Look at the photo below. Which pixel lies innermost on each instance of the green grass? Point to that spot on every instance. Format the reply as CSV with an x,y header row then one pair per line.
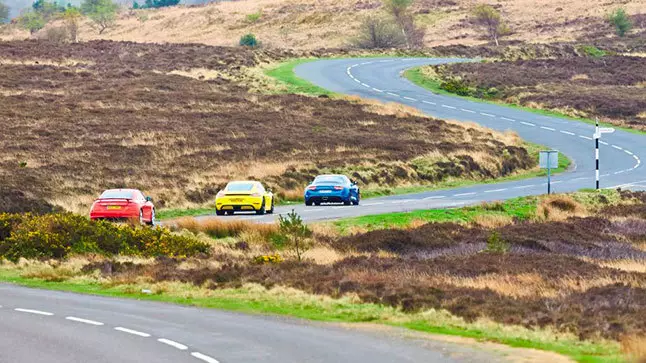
x,y
284,73
288,302
416,76
521,208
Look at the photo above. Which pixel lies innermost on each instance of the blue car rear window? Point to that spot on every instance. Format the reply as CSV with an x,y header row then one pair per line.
x,y
329,180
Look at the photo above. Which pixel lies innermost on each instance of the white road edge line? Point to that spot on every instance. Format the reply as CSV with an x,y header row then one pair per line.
x,y
84,321
205,358
37,312
172,344
133,332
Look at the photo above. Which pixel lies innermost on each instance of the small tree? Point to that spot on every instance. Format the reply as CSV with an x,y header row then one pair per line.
x,y
294,234
400,11
4,12
620,20
379,33
72,17
32,21
495,244
249,40
491,21
103,13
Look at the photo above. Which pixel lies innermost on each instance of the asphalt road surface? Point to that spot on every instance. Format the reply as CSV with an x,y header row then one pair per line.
x,y
621,153
47,326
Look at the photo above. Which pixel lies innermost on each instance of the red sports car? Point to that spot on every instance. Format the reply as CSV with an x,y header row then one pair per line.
x,y
124,204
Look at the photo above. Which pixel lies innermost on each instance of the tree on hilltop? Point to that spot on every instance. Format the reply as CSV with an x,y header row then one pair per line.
x,y
489,19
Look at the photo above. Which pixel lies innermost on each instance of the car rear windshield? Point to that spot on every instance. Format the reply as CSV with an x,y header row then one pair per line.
x,y
329,180
117,194
240,187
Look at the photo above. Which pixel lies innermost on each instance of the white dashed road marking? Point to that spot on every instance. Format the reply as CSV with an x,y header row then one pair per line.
x,y
172,344
585,137
435,197
429,103
525,186
84,321
508,119
463,194
393,94
547,128
487,114
567,132
205,358
628,152
37,312
617,147
410,98
495,190
465,110
447,106
133,332
371,204
527,123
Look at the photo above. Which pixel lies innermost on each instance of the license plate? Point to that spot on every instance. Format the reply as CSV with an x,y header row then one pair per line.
x,y
114,207
236,200
326,191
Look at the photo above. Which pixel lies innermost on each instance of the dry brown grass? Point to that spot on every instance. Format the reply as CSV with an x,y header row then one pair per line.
x,y
635,348
559,207
248,231
316,24
491,221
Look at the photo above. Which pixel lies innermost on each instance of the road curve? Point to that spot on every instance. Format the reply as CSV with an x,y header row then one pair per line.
x,y
47,326
622,153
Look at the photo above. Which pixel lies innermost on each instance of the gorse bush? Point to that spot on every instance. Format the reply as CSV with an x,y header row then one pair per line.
x,y
60,235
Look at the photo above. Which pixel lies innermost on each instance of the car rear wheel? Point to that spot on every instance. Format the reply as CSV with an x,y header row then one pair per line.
x,y
347,202
141,216
317,203
152,218
261,211
271,210
219,212
308,202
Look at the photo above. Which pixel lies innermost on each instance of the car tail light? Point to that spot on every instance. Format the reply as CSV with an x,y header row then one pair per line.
x,y
312,187
338,187
221,193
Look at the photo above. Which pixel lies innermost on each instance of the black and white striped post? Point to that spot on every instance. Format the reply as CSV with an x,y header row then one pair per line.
x,y
597,136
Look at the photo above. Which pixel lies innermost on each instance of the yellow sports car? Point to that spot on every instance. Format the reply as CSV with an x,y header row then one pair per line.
x,y
241,196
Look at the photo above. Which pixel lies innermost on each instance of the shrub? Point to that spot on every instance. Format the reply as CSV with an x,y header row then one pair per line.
x,y
268,259
620,20
57,34
591,51
457,86
249,40
32,21
495,244
4,12
376,32
293,234
60,235
254,17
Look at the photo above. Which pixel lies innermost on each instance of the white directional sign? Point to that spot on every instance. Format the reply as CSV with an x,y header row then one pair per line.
x,y
606,130
548,159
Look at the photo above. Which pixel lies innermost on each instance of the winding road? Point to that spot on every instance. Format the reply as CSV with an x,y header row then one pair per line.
x,y
48,326
623,153
45,326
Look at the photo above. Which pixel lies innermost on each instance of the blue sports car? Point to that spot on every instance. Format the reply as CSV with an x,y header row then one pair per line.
x,y
332,189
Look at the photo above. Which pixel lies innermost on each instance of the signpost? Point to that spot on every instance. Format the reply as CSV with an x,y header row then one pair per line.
x,y
549,159
597,135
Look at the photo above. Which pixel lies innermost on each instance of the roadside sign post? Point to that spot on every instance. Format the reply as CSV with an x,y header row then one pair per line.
x,y
598,131
549,159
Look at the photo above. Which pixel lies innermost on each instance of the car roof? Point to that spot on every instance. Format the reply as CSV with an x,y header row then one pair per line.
x,y
243,182
331,175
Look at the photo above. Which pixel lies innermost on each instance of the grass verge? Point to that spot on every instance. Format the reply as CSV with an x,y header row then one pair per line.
x,y
294,303
284,73
416,76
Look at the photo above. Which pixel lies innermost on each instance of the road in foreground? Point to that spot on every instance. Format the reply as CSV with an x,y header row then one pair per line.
x,y
381,79
49,326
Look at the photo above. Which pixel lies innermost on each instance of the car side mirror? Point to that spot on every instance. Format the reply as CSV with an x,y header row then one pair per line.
x,y
149,199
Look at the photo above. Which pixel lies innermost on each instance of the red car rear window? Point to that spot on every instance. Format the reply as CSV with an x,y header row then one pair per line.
x,y
117,194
